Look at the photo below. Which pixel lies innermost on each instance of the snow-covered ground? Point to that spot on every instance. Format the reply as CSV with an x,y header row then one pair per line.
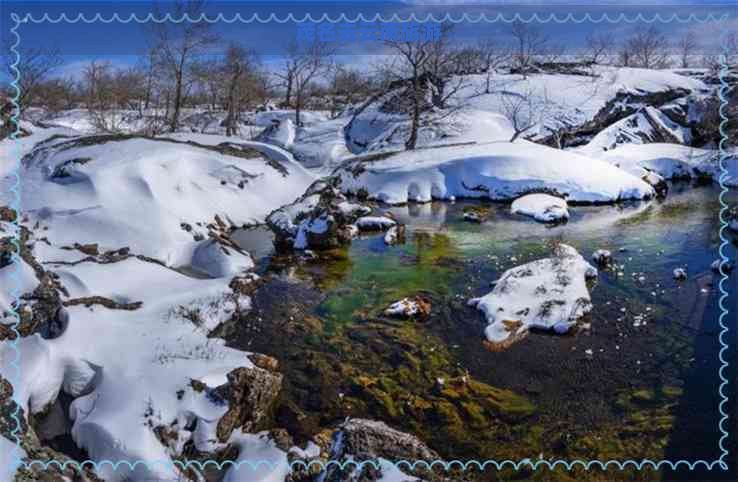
x,y
497,171
136,232
113,191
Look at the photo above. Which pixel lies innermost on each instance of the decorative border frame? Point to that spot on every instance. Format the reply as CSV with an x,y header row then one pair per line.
x,y
412,17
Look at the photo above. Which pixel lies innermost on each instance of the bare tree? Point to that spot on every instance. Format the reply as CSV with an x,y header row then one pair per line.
x,y
597,45
492,56
177,46
523,110
311,61
423,67
239,65
208,75
529,42
648,48
686,45
35,65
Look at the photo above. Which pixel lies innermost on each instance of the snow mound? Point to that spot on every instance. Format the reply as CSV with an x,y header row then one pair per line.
x,y
281,133
671,161
549,293
115,190
497,171
541,207
648,125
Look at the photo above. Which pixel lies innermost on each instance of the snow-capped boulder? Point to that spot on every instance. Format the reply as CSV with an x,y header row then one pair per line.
x,y
375,223
280,133
416,307
549,293
541,207
648,125
602,257
395,235
321,218
218,261
496,171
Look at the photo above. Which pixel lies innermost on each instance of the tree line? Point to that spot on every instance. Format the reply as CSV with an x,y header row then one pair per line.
x,y
187,65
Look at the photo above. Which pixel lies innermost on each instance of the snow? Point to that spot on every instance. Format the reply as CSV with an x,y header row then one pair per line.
x,y
669,161
126,366
497,171
10,455
127,186
392,236
602,257
217,261
541,207
643,127
406,307
370,223
258,459
562,101
549,293
20,276
319,225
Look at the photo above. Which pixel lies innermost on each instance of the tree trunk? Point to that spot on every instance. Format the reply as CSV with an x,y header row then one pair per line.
x,y
177,102
413,139
288,95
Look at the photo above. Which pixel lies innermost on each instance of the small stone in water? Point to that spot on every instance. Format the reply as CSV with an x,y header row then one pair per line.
x,y
680,274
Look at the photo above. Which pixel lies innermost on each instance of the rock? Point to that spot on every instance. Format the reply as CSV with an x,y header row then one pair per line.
x,y
733,225
602,257
360,439
320,219
727,267
680,274
211,257
375,223
540,294
472,217
418,307
395,235
250,393
541,207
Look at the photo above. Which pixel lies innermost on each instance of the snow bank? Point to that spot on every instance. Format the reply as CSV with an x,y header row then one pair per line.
x,y
258,459
131,369
541,207
670,161
645,126
549,293
497,171
143,193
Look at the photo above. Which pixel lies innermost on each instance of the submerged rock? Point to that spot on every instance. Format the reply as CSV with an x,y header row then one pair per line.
x,y
546,293
680,274
541,207
417,307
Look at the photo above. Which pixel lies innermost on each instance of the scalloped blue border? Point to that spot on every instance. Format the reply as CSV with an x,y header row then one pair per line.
x,y
621,465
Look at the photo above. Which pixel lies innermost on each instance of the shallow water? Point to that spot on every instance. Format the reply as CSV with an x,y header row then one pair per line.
x,y
627,377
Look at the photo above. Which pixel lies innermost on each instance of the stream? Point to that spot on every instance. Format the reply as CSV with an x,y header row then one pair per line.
x,y
642,363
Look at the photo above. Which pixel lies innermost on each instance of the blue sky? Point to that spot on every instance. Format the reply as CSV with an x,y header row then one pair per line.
x,y
120,43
